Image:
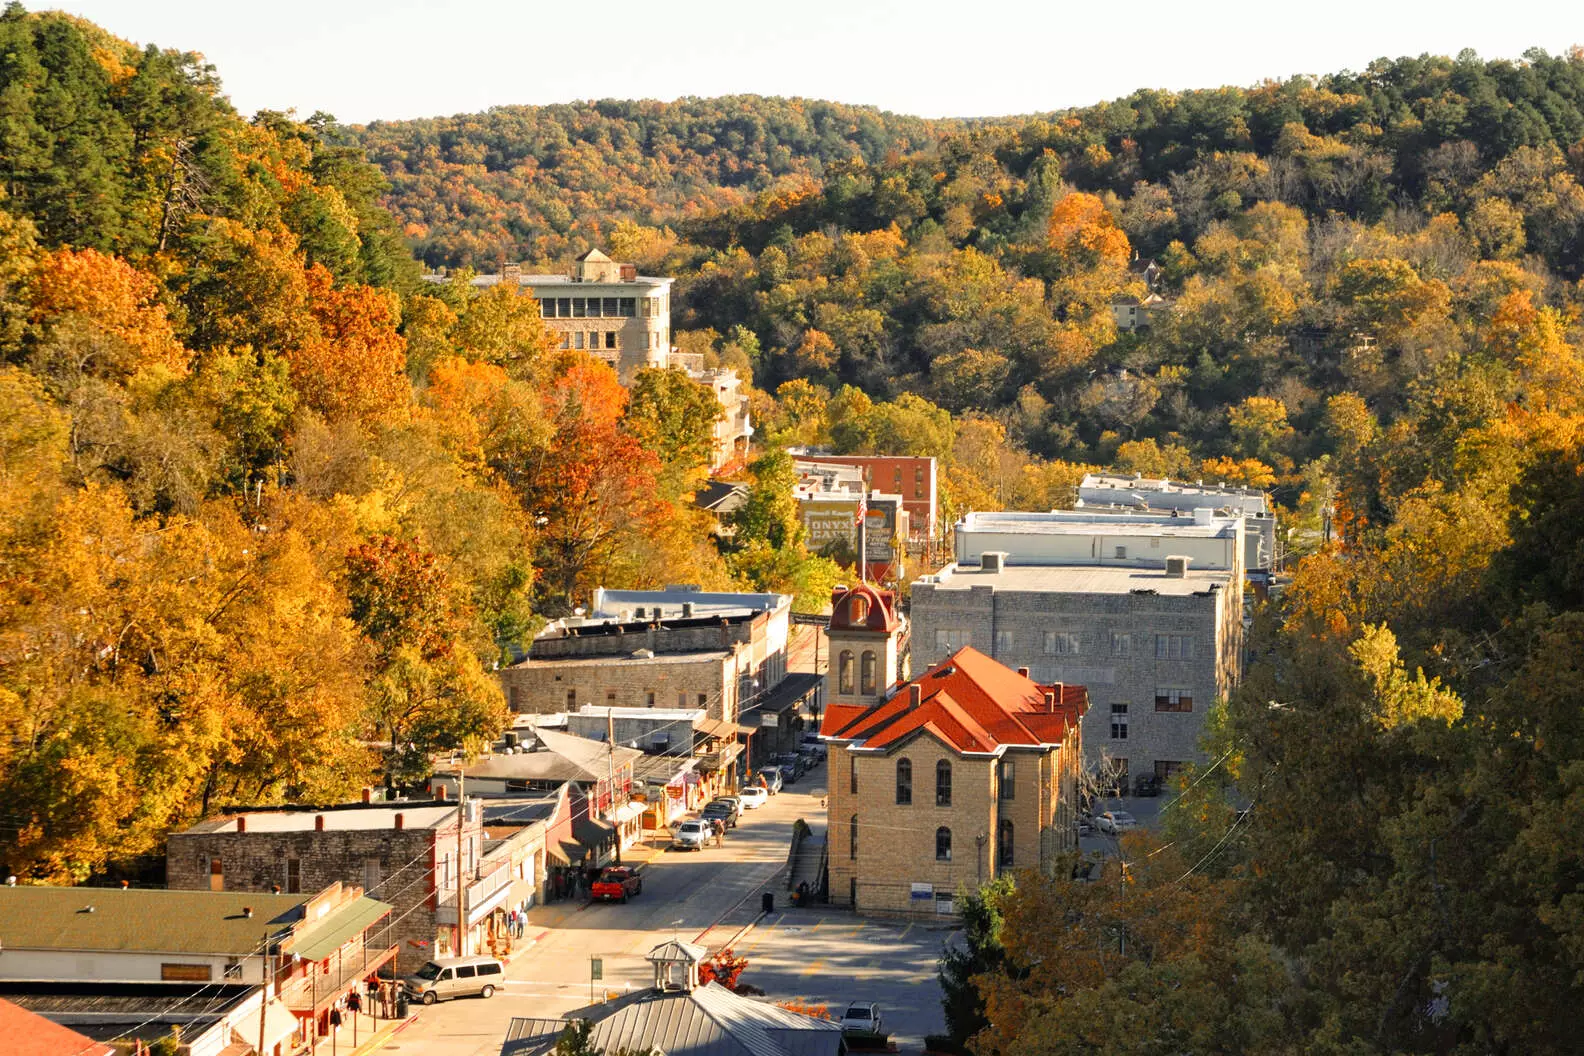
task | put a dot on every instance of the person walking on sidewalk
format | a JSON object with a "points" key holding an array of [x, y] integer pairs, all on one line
{"points": [[719, 828]]}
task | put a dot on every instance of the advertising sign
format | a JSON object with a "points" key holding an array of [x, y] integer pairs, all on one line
{"points": [[922, 892]]}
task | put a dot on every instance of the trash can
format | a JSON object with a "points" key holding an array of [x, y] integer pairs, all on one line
{"points": [[767, 901], [401, 1004]]}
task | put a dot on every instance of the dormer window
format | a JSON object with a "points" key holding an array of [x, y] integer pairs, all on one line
{"points": [[859, 611]]}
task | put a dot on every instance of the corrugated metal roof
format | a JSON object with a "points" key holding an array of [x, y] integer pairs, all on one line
{"points": [[324, 938], [148, 920]]}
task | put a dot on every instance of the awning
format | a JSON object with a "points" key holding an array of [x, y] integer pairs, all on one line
{"points": [[279, 1024], [337, 929], [716, 760], [628, 811], [564, 852], [719, 728]]}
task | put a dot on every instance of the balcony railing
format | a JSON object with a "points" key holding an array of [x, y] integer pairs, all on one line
{"points": [[317, 990]]}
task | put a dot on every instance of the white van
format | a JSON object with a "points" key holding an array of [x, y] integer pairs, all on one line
{"points": [[447, 977]]}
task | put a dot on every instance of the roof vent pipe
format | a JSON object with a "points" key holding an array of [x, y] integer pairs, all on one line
{"points": [[992, 560], [318, 822], [400, 821]]}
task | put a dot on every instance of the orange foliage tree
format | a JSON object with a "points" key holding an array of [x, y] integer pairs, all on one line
{"points": [[724, 967], [355, 367], [1085, 236], [117, 301]]}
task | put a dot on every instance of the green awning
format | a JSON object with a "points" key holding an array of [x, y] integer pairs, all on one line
{"points": [[320, 940]]}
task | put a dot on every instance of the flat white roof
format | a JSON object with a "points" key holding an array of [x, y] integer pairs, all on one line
{"points": [[1080, 522], [559, 281], [621, 661], [350, 820], [1077, 579], [1162, 493], [657, 714], [610, 603]]}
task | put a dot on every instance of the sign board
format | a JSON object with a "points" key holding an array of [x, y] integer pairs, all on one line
{"points": [[769, 718], [596, 969], [923, 892], [828, 521], [880, 527]]}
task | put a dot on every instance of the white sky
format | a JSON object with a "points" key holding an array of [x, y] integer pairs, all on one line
{"points": [[367, 59]]}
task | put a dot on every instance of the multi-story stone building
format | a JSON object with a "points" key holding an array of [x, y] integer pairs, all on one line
{"points": [[967, 771], [1146, 611], [674, 648], [402, 853]]}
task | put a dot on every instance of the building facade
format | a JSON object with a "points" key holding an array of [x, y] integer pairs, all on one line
{"points": [[1126, 496], [403, 853], [910, 477], [965, 772], [1146, 612]]}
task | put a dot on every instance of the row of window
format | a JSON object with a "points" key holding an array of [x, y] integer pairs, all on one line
{"points": [[1068, 643], [1006, 842], [1006, 775], [1180, 700], [867, 679], [598, 307]]}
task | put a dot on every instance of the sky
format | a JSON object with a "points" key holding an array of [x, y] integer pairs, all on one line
{"points": [[363, 60]]}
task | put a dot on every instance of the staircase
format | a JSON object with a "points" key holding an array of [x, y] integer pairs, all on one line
{"points": [[808, 866]]}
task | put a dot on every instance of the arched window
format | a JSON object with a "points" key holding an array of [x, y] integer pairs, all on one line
{"points": [[904, 782], [852, 838], [868, 685], [943, 844], [943, 783], [1004, 844], [845, 672], [858, 612]]}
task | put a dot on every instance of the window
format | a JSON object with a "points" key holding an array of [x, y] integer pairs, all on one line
{"points": [[490, 968], [467, 971], [649, 698], [918, 482], [293, 876], [1165, 768], [951, 639], [852, 838], [943, 784], [371, 875], [868, 680], [610, 339], [1061, 643], [645, 345], [1174, 700], [579, 309], [1121, 553], [1003, 642], [547, 307], [701, 700], [185, 973], [858, 609], [852, 777], [844, 681], [233, 970], [610, 698], [1174, 647], [563, 307], [1121, 645], [1155, 543], [1005, 844], [612, 307], [566, 340], [896, 480], [571, 700], [577, 339], [627, 307], [943, 844], [216, 875], [1119, 716], [904, 782], [1006, 773]]}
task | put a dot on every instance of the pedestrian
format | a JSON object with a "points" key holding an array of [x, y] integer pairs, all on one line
{"points": [[802, 893], [719, 828]]}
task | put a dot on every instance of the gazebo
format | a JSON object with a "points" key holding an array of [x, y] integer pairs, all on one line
{"points": [[674, 954]]}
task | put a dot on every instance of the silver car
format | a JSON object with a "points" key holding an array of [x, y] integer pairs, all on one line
{"points": [[446, 977], [692, 835]]}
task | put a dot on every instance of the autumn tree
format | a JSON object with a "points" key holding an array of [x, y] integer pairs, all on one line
{"points": [[673, 418]]}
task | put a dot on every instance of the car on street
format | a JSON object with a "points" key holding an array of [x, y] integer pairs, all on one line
{"points": [[1113, 822], [446, 977], [732, 801], [753, 797], [722, 811], [772, 779], [1147, 785], [616, 884], [812, 742], [861, 1017], [692, 835], [793, 765], [811, 758]]}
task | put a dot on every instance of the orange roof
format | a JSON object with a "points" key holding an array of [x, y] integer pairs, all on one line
{"points": [[863, 608], [30, 1034], [968, 701]]}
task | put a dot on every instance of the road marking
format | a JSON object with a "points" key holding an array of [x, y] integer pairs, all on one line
{"points": [[816, 966], [905, 932]]}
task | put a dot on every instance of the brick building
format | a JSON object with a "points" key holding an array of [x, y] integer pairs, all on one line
{"points": [[966, 771], [402, 853], [1146, 611], [909, 476]]}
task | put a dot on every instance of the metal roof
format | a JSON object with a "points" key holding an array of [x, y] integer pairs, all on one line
{"points": [[335, 929], [143, 920]]}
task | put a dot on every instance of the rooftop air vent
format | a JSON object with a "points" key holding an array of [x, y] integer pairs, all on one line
{"points": [[1177, 567], [1203, 514], [992, 560]]}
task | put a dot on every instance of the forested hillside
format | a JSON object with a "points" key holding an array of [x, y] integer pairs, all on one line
{"points": [[538, 182]]}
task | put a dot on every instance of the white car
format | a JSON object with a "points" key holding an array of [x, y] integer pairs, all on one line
{"points": [[692, 835], [862, 1017], [753, 797], [1113, 822]]}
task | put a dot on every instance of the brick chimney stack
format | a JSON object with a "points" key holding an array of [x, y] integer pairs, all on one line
{"points": [[1050, 701], [1023, 671], [241, 824], [399, 821], [318, 822], [915, 695]]}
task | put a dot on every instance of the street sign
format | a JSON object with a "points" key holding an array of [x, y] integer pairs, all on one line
{"points": [[596, 969]]}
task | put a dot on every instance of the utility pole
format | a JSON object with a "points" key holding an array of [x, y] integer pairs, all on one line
{"points": [[461, 942], [610, 774], [264, 993]]}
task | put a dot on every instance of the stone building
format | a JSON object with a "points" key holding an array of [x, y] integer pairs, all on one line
{"points": [[1146, 611], [1109, 493], [967, 771], [674, 648], [402, 853]]}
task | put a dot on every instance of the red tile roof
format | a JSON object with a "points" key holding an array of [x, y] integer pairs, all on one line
{"points": [[863, 608], [968, 701], [29, 1034]]}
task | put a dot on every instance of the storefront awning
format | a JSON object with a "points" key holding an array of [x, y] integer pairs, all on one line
{"points": [[279, 1024], [628, 811]]}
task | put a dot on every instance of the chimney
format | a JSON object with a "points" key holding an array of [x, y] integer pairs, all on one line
{"points": [[687, 610], [511, 273], [1050, 701], [1056, 694], [1203, 514], [915, 695], [241, 824], [440, 793], [1023, 672], [399, 821], [368, 795], [247, 911], [318, 822]]}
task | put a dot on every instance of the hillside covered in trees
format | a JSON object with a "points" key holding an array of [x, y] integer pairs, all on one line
{"points": [[271, 511]]}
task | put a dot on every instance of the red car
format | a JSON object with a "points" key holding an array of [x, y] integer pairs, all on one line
{"points": [[617, 884]]}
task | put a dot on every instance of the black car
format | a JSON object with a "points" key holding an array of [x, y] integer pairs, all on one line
{"points": [[793, 765], [1147, 785], [722, 811]]}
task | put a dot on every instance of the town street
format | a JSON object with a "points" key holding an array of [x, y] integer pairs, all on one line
{"points": [[712, 897]]}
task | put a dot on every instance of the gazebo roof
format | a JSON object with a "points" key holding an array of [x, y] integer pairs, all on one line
{"points": [[677, 952]]}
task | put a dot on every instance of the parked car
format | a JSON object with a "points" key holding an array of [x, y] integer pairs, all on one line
{"points": [[446, 977], [810, 757], [1147, 785], [1113, 822], [692, 835], [793, 765], [753, 797], [731, 801], [812, 742], [723, 811], [772, 779], [861, 1017], [616, 884]]}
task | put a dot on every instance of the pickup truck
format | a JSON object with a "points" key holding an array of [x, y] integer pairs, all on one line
{"points": [[617, 884]]}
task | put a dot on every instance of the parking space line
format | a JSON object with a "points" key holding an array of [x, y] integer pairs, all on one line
{"points": [[812, 968]]}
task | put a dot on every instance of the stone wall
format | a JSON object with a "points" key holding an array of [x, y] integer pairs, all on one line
{"points": [[393, 865], [547, 687]]}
